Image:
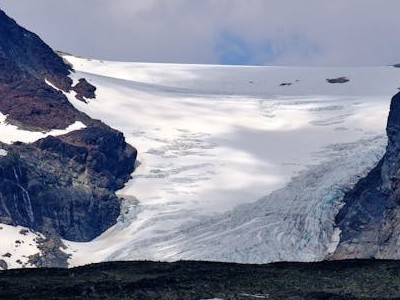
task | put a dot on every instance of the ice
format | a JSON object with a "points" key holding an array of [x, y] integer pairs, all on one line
{"points": [[232, 166], [335, 240]]}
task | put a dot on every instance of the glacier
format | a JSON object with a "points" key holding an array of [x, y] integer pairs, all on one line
{"points": [[233, 166]]}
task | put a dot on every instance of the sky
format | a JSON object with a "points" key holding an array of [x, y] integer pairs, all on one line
{"points": [[245, 32]]}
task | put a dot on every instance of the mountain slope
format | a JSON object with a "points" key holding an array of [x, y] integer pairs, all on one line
{"points": [[237, 164], [26, 99], [60, 186]]}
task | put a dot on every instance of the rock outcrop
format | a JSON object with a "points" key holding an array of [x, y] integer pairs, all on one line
{"points": [[66, 184], [370, 218], [29, 53], [338, 80], [84, 90], [60, 186], [26, 63]]}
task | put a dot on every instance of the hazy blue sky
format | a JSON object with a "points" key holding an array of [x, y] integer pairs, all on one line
{"points": [[284, 32]]}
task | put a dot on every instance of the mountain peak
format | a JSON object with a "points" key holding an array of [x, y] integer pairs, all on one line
{"points": [[31, 54], [52, 185], [26, 65]]}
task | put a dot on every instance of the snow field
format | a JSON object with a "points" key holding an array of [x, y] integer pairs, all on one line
{"points": [[233, 166]]}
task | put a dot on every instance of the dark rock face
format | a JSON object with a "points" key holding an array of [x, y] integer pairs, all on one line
{"points": [[31, 54], [61, 186], [338, 80], [25, 62], [66, 184], [3, 264], [84, 90], [100, 149], [370, 219], [30, 103]]}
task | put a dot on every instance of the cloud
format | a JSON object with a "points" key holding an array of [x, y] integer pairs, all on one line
{"points": [[233, 50], [300, 32]]}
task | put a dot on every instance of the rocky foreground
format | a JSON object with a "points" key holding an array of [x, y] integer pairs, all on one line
{"points": [[369, 279]]}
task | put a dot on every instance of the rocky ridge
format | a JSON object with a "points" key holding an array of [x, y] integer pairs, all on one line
{"points": [[370, 219], [61, 186], [67, 183]]}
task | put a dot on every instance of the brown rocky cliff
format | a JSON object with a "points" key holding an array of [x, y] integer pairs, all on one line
{"points": [[26, 62]]}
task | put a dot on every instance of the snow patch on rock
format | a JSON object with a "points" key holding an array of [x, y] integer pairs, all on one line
{"points": [[17, 245], [11, 133], [51, 85]]}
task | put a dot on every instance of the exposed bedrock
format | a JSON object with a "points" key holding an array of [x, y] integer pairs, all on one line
{"points": [[370, 218], [26, 63], [84, 90], [63, 186], [66, 184]]}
